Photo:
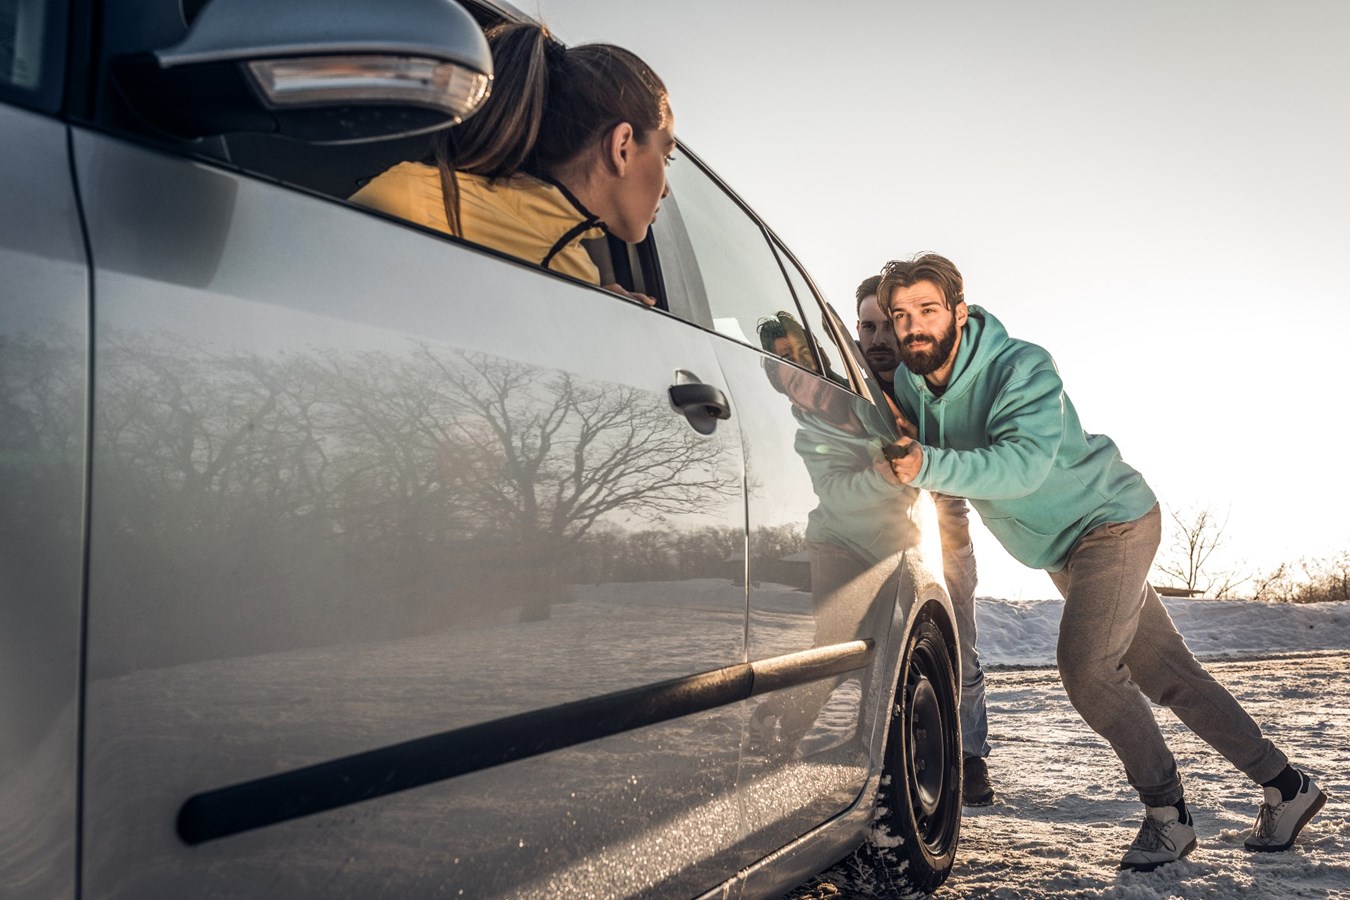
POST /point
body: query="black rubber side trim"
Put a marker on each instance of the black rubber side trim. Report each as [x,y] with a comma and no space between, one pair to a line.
[400,767]
[793,669]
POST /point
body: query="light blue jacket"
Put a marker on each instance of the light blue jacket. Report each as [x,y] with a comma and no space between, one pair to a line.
[1005,436]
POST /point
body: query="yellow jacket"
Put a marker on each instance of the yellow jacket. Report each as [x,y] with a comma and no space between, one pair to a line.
[520,215]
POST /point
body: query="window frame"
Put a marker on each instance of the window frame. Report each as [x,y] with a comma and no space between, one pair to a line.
[827,315]
[95,103]
[689,275]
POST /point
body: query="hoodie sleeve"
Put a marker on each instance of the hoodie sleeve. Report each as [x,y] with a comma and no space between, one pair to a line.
[1025,426]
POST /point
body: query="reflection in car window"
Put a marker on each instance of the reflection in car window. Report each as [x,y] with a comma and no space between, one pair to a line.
[28,32]
[783,336]
[741,276]
[20,43]
[823,341]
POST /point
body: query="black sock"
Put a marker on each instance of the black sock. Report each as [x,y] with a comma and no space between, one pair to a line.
[1290,782]
[1185,817]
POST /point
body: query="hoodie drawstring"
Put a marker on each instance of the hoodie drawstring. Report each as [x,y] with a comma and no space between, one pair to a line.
[941,420]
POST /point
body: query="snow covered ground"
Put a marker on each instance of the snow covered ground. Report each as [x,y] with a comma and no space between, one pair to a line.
[1066,812]
[1023,633]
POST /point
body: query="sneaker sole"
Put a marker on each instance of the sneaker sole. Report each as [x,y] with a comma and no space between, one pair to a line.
[1302,820]
[1149,867]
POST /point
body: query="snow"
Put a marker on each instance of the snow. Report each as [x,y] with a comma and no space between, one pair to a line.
[1065,812]
[1023,633]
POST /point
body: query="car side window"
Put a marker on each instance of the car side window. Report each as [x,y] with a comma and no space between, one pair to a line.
[737,268]
[341,171]
[31,37]
[823,340]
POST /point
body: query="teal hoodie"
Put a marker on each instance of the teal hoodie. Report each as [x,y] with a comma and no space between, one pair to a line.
[1005,436]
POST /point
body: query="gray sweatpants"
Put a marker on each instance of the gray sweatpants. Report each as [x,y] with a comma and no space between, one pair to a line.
[1118,646]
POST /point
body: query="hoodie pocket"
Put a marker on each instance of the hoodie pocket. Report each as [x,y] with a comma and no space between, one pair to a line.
[1028,546]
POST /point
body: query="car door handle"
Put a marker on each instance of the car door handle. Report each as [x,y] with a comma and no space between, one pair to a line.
[702,404]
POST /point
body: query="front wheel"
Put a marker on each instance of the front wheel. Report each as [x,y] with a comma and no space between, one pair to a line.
[919,805]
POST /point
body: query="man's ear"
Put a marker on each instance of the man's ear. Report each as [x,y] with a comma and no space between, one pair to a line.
[961,314]
[618,148]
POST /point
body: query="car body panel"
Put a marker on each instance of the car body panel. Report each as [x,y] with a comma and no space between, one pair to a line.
[800,767]
[343,559]
[44,349]
[337,509]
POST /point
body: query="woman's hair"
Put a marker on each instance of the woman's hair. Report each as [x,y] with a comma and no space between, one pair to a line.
[547,103]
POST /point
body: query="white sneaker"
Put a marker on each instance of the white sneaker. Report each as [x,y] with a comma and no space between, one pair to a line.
[1163,838]
[1279,821]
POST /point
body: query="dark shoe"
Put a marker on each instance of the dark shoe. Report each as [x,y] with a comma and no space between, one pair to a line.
[976,789]
[1279,821]
[1163,838]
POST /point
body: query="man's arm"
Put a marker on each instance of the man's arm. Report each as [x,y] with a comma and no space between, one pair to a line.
[902,422]
[1025,428]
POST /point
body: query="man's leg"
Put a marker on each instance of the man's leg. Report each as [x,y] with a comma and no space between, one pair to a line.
[958,570]
[1114,650]
[1170,675]
[1109,566]
[1104,587]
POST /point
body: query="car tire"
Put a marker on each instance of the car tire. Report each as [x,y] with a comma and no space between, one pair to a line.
[918,817]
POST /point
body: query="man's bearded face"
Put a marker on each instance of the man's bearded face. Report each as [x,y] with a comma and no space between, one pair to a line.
[924,354]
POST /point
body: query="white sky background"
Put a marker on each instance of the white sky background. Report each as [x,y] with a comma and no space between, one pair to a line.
[1156,192]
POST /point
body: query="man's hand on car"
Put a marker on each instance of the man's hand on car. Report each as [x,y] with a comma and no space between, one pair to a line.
[906,457]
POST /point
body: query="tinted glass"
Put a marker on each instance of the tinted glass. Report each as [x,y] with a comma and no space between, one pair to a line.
[746,292]
[822,340]
[29,51]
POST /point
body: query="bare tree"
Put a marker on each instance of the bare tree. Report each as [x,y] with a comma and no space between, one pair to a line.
[1196,535]
[1275,586]
[1310,580]
[552,455]
[1327,579]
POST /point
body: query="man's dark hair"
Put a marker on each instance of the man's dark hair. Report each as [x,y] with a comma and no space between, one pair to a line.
[940,270]
[867,289]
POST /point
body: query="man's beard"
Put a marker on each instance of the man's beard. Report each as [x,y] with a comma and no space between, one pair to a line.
[882,361]
[926,362]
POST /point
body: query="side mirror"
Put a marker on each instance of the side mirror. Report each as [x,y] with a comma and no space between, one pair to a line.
[321,71]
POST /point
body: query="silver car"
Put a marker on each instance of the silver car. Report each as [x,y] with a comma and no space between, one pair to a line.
[339,558]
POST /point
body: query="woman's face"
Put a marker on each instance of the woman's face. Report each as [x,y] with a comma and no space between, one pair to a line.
[638,193]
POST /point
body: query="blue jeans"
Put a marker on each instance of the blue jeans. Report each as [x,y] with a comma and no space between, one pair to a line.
[958,570]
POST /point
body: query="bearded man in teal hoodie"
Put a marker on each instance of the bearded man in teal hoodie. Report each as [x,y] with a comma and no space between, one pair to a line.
[995,426]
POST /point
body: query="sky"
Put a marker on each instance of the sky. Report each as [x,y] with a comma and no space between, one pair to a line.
[1156,192]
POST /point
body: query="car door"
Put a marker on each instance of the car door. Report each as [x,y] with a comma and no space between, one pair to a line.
[44,358]
[406,574]
[355,488]
[822,591]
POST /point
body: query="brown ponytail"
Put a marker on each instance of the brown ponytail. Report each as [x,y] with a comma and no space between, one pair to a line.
[548,103]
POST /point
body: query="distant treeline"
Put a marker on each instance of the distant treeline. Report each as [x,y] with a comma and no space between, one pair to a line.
[1321,580]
